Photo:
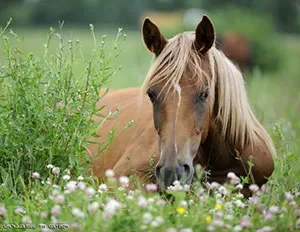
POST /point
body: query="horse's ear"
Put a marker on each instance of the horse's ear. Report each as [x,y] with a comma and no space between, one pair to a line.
[153,39]
[205,35]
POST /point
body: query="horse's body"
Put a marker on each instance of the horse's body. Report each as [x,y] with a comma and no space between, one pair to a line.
[206,119]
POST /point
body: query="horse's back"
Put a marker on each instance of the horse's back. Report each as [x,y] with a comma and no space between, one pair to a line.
[127,142]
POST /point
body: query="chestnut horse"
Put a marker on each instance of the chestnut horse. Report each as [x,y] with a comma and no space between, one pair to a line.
[196,112]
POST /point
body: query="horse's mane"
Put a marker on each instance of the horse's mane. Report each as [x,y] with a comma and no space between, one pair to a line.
[227,94]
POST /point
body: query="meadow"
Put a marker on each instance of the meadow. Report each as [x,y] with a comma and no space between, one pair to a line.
[54,192]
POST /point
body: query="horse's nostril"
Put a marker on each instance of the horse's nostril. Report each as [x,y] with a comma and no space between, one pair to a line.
[157,171]
[187,169]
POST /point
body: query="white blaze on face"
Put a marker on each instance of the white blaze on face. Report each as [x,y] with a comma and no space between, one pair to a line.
[178,90]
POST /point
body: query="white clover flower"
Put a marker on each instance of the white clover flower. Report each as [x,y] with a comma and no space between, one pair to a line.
[124,181]
[81,185]
[171,229]
[102,188]
[55,210]
[186,187]
[71,186]
[129,198]
[186,230]
[154,224]
[19,210]
[55,170]
[50,166]
[142,202]
[253,188]
[245,222]
[265,229]
[160,202]
[239,204]
[147,218]
[92,208]
[274,209]
[89,192]
[214,185]
[223,190]
[3,211]
[151,187]
[111,208]
[80,178]
[289,197]
[229,217]
[183,204]
[35,175]
[239,186]
[26,219]
[59,199]
[159,220]
[237,228]
[66,177]
[77,213]
[109,173]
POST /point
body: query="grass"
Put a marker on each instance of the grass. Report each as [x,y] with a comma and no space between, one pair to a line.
[55,194]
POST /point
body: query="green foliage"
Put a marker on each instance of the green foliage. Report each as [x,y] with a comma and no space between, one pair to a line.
[257,28]
[46,109]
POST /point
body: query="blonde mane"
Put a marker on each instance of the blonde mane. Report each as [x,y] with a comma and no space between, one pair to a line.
[233,112]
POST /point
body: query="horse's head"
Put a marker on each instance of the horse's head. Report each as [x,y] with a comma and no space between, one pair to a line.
[179,87]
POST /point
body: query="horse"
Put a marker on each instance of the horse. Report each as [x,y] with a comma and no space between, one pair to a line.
[237,47]
[191,109]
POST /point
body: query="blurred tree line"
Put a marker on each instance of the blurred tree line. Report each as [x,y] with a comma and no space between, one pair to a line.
[283,13]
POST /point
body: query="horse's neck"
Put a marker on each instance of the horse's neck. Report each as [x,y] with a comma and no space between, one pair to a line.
[218,155]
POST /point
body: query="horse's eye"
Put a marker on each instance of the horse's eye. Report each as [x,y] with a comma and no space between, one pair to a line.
[151,94]
[203,95]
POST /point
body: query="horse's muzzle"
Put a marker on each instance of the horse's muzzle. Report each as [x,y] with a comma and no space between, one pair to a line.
[166,175]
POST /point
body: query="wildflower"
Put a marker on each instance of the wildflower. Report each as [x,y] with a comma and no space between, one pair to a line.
[55,210]
[102,188]
[267,215]
[50,166]
[234,179]
[154,224]
[92,208]
[151,187]
[180,210]
[239,204]
[111,208]
[254,200]
[211,228]
[109,173]
[298,224]
[223,190]
[160,202]
[239,186]
[245,222]
[66,177]
[265,229]
[44,215]
[186,230]
[26,219]
[77,213]
[183,204]
[142,202]
[214,185]
[147,218]
[3,211]
[274,209]
[49,181]
[81,185]
[186,187]
[265,189]
[171,229]
[124,181]
[59,199]
[71,186]
[253,188]
[129,197]
[19,211]
[80,178]
[159,220]
[218,206]
[207,219]
[35,175]
[55,170]
[229,217]
[237,228]
[89,192]
[289,197]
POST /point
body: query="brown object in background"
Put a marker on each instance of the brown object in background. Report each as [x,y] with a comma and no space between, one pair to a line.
[237,48]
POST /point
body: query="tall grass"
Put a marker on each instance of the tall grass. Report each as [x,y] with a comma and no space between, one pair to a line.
[46,109]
